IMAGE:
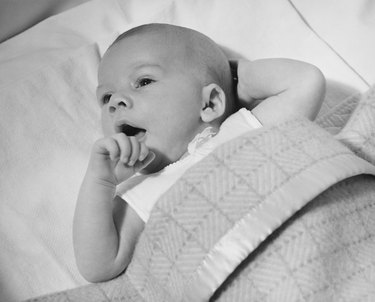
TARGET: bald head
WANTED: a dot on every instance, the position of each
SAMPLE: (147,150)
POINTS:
(194,50)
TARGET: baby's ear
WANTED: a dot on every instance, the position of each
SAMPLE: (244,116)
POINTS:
(213,102)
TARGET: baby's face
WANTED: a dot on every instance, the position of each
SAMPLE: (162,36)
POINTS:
(146,90)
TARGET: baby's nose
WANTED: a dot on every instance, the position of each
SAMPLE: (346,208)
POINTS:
(117,102)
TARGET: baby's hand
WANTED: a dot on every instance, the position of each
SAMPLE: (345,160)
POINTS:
(118,157)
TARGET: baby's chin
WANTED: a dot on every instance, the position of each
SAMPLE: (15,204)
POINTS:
(159,163)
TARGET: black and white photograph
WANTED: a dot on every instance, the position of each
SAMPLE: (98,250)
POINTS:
(187,150)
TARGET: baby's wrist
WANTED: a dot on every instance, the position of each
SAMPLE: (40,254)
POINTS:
(103,182)
(99,180)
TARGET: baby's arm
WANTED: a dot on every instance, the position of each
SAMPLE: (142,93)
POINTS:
(277,89)
(105,230)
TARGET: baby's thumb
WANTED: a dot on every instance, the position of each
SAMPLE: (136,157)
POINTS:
(139,165)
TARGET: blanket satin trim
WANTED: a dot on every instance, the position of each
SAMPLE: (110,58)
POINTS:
(257,225)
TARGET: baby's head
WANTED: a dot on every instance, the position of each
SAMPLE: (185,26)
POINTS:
(166,83)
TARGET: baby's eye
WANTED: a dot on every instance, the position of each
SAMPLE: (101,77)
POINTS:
(143,82)
(106,98)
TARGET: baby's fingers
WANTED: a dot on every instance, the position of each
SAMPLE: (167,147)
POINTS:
(131,149)
(135,150)
(125,147)
(143,152)
(107,147)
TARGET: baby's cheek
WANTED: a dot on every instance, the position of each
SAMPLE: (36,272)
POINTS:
(107,125)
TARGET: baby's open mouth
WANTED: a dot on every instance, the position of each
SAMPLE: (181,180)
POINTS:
(130,130)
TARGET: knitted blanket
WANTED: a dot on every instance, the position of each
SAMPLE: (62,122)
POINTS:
(284,213)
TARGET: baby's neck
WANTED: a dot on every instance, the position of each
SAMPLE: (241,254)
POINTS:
(204,134)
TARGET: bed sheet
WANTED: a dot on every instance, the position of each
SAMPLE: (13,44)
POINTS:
(347,27)
(49,116)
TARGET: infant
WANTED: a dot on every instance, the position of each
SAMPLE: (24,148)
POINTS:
(168,98)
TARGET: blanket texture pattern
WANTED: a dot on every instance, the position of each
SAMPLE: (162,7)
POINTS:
(284,213)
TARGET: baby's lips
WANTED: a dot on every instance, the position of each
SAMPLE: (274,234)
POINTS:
(141,136)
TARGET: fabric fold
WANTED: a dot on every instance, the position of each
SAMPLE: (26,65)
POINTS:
(249,232)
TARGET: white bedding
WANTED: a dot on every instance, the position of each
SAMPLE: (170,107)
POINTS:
(49,117)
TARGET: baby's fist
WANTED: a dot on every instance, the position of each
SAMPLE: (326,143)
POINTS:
(118,157)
